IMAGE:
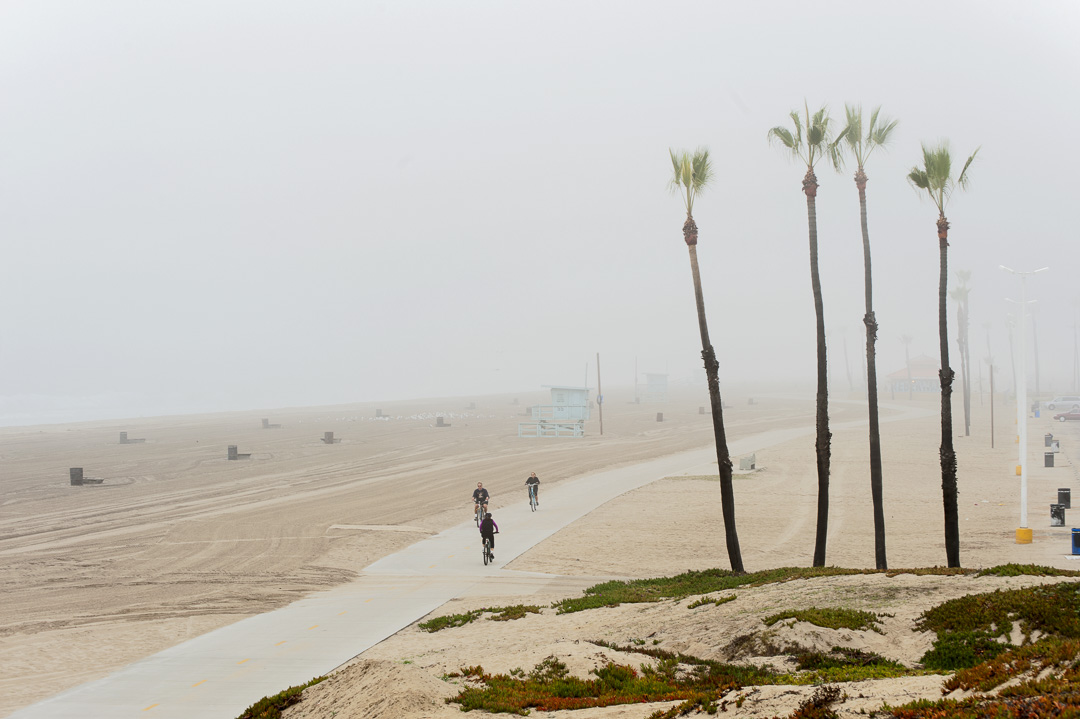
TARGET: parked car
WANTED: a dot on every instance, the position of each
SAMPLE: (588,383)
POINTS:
(1066,416)
(1065,402)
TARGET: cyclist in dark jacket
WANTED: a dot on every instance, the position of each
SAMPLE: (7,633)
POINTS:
(534,481)
(488,530)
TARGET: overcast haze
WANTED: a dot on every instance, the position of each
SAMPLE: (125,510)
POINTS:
(234,205)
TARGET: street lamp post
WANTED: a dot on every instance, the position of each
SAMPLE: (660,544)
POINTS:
(1023,534)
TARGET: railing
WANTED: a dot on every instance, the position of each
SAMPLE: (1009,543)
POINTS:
(562,412)
(551,429)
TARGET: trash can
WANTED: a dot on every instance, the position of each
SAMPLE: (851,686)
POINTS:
(1076,541)
(1046,439)
(1048,459)
(1065,497)
(1057,515)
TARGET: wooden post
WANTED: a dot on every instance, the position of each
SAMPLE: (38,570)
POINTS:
(76,476)
(991,406)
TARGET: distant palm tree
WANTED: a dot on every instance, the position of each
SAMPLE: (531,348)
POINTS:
(906,339)
(960,296)
(809,144)
(935,178)
(861,146)
(692,173)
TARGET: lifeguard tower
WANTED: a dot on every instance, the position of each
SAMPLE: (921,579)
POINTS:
(655,389)
(564,417)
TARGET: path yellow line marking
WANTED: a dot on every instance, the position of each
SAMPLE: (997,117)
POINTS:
(450,556)
(312,627)
(281,642)
(150,707)
(243,660)
(340,613)
(198,683)
(368,600)
(431,567)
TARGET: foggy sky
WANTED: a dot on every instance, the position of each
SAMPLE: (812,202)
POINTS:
(233,205)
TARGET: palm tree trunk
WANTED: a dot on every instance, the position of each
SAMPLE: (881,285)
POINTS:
(961,317)
(967,368)
(947,453)
(823,435)
(871,384)
(712,369)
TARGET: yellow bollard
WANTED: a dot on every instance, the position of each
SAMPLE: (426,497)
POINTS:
(1023,536)
(1018,468)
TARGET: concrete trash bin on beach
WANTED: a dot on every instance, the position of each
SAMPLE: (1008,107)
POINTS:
(1057,515)
(1076,541)
(1048,459)
(1065,497)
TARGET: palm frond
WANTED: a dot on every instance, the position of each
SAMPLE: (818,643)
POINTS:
(963,181)
(836,149)
(935,177)
(785,138)
(691,174)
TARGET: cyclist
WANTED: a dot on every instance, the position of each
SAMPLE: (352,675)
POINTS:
(480,496)
(534,482)
(488,530)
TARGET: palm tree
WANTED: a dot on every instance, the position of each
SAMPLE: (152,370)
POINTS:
(861,147)
(692,174)
(960,296)
(809,148)
(935,178)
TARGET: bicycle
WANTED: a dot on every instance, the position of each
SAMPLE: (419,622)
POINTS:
(481,509)
(487,552)
(532,497)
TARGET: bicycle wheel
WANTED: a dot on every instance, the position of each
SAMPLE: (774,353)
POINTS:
(487,551)
(532,499)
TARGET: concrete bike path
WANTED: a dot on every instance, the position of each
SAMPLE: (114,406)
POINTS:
(221,673)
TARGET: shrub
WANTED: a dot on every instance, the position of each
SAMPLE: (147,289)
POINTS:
(451,620)
(271,707)
(829,618)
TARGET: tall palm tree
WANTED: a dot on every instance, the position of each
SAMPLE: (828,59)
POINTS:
(692,172)
(808,144)
(861,145)
(935,178)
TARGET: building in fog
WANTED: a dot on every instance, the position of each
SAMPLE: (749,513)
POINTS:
(654,391)
(924,377)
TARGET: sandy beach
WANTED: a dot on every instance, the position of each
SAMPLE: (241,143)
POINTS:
(177,540)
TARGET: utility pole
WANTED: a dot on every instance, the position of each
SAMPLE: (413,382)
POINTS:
(599,395)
